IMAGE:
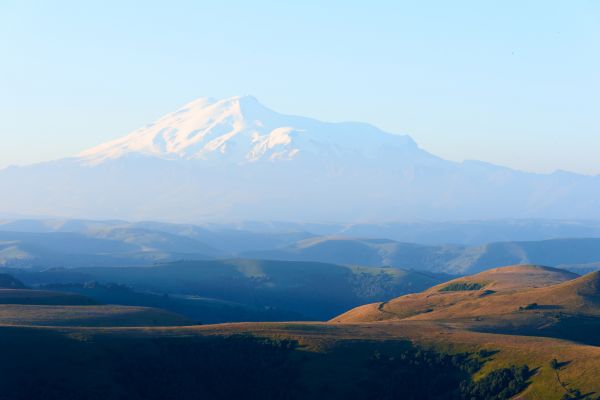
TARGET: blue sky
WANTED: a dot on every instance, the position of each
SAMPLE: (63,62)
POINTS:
(515,83)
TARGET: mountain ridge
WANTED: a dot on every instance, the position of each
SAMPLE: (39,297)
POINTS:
(234,159)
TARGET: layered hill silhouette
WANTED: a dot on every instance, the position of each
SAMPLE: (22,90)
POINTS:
(77,243)
(578,253)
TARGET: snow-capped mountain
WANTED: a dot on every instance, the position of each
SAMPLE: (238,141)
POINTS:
(241,130)
(235,159)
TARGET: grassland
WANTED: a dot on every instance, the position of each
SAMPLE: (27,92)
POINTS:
(351,357)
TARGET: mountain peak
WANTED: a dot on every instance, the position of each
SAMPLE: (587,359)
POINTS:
(241,130)
(234,101)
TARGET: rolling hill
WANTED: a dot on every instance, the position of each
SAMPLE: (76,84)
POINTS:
(528,300)
(265,289)
(483,337)
(22,306)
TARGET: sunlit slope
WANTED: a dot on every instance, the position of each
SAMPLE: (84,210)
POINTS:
(513,277)
(497,291)
(337,353)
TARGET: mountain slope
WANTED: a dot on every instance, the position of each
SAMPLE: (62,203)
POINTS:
(523,300)
(235,159)
(458,292)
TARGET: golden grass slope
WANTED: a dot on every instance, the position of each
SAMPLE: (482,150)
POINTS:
(503,291)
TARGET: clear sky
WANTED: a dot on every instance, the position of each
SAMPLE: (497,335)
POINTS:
(515,83)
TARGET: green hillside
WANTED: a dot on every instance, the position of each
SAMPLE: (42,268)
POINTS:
(257,289)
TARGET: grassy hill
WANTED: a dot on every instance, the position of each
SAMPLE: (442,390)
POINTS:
(30,307)
(86,316)
(519,299)
(408,359)
(479,339)
(266,290)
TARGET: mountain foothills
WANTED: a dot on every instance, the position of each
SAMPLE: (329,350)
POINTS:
(237,290)
(523,330)
(235,159)
(161,310)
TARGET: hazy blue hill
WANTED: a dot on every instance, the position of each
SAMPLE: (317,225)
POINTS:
(473,233)
(580,253)
(555,252)
(372,252)
(110,247)
(159,241)
(231,238)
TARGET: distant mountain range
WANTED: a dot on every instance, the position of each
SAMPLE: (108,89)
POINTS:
(234,159)
(580,255)
(42,244)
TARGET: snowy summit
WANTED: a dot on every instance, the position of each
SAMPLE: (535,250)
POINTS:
(240,129)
